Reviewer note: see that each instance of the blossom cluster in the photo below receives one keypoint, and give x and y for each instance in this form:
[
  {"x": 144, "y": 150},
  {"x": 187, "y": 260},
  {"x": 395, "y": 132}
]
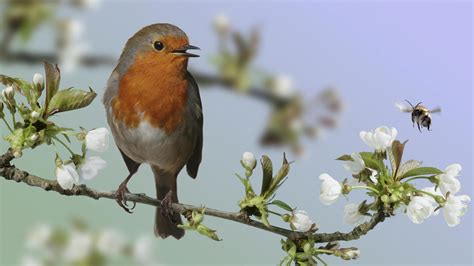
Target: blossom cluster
[{"x": 394, "y": 189}]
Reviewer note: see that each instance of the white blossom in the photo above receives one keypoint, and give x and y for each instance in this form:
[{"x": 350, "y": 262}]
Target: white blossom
[
  {"x": 419, "y": 209},
  {"x": 300, "y": 221},
  {"x": 352, "y": 215},
  {"x": 330, "y": 189},
  {"x": 282, "y": 86},
  {"x": 38, "y": 79},
  {"x": 448, "y": 181},
  {"x": 29, "y": 260},
  {"x": 356, "y": 165},
  {"x": 97, "y": 139},
  {"x": 454, "y": 208},
  {"x": 90, "y": 167},
  {"x": 78, "y": 247},
  {"x": 110, "y": 242},
  {"x": 67, "y": 175},
  {"x": 221, "y": 24},
  {"x": 380, "y": 139},
  {"x": 249, "y": 160},
  {"x": 38, "y": 237},
  {"x": 141, "y": 250}
]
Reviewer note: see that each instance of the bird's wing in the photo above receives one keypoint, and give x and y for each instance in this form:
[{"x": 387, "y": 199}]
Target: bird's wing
[
  {"x": 192, "y": 165},
  {"x": 403, "y": 108}
]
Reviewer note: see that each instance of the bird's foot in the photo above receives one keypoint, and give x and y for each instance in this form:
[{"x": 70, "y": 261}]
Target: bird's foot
[
  {"x": 167, "y": 206},
  {"x": 120, "y": 198}
]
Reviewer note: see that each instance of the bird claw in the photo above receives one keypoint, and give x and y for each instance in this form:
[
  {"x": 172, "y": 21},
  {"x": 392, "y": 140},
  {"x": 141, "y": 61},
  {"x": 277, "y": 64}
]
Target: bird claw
[
  {"x": 166, "y": 208},
  {"x": 120, "y": 198}
]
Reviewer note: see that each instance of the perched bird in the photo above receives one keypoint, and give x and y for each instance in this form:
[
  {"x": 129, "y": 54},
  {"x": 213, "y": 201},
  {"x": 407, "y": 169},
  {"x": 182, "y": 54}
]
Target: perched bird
[{"x": 154, "y": 111}]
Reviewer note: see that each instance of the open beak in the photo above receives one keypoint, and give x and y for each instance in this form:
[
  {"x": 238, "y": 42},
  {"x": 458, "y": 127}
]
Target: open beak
[{"x": 183, "y": 51}]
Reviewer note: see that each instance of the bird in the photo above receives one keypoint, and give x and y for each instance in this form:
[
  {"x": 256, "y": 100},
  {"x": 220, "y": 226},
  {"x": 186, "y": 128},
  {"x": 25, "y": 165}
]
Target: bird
[{"x": 154, "y": 110}]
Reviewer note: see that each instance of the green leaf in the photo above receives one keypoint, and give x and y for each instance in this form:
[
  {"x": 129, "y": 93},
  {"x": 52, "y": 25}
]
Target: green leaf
[
  {"x": 345, "y": 157},
  {"x": 372, "y": 162},
  {"x": 278, "y": 178},
  {"x": 18, "y": 84},
  {"x": 70, "y": 99},
  {"x": 407, "y": 166},
  {"x": 282, "y": 205},
  {"x": 422, "y": 171},
  {"x": 267, "y": 168},
  {"x": 53, "y": 77},
  {"x": 397, "y": 152}
]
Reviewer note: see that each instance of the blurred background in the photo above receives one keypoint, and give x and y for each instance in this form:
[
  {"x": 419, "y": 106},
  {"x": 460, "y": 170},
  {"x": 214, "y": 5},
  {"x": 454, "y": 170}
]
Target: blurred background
[{"x": 302, "y": 78}]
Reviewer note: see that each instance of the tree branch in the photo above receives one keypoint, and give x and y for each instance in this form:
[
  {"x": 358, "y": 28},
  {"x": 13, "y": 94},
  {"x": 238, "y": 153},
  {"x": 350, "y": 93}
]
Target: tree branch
[
  {"x": 96, "y": 60},
  {"x": 10, "y": 172}
]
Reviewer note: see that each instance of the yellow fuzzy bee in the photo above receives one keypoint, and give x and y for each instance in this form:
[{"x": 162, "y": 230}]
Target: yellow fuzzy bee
[{"x": 419, "y": 114}]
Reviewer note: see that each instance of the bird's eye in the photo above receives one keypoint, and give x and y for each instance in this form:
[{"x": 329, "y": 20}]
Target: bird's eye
[{"x": 158, "y": 46}]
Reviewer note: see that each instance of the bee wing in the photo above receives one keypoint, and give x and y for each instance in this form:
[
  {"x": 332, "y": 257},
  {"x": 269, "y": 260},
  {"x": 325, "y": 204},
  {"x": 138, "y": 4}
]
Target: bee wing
[
  {"x": 436, "y": 110},
  {"x": 403, "y": 108}
]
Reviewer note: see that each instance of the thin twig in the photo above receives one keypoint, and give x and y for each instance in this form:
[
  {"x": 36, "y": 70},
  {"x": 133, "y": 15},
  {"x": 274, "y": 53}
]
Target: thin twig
[{"x": 10, "y": 172}]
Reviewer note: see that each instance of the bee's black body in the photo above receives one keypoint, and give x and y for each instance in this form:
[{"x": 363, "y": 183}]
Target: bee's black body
[{"x": 420, "y": 115}]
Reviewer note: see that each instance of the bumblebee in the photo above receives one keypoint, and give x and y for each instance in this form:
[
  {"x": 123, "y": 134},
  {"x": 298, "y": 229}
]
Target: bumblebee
[{"x": 419, "y": 114}]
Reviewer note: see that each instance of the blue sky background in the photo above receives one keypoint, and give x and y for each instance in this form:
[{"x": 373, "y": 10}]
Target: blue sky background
[{"x": 375, "y": 53}]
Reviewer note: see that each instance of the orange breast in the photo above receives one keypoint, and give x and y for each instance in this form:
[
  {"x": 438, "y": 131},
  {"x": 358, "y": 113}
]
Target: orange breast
[{"x": 153, "y": 90}]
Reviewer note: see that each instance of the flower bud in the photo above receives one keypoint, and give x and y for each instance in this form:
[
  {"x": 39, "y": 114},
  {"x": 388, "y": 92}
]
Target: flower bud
[
  {"x": 248, "y": 160},
  {"x": 282, "y": 86},
  {"x": 34, "y": 137},
  {"x": 348, "y": 253},
  {"x": 222, "y": 24},
  {"x": 300, "y": 221},
  {"x": 8, "y": 93},
  {"x": 38, "y": 80},
  {"x": 34, "y": 116},
  {"x": 17, "y": 153},
  {"x": 67, "y": 175}
]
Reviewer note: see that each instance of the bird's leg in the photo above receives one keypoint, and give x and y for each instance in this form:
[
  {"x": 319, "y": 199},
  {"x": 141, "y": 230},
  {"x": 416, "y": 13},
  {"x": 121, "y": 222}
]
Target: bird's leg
[
  {"x": 166, "y": 208},
  {"x": 120, "y": 194}
]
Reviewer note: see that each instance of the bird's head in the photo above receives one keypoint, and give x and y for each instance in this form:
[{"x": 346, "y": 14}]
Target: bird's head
[{"x": 163, "y": 47}]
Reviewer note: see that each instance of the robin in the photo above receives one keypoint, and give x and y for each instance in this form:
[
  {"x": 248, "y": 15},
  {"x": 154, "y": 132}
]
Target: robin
[{"x": 154, "y": 111}]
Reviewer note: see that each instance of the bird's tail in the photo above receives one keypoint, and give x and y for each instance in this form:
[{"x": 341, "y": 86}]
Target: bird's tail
[{"x": 164, "y": 227}]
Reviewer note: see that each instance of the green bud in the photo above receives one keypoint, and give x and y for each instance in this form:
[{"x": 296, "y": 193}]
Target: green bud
[
  {"x": 441, "y": 200},
  {"x": 306, "y": 247},
  {"x": 435, "y": 180},
  {"x": 346, "y": 189},
  {"x": 286, "y": 217},
  {"x": 385, "y": 198},
  {"x": 81, "y": 136},
  {"x": 197, "y": 217},
  {"x": 58, "y": 161}
]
